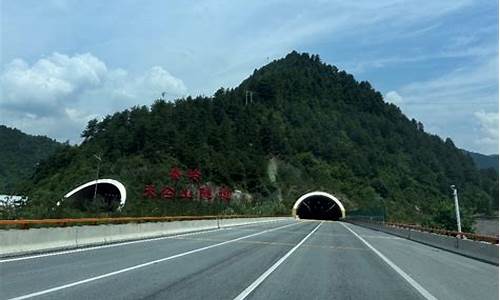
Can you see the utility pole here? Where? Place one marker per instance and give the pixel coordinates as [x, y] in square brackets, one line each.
[457, 208]
[97, 177]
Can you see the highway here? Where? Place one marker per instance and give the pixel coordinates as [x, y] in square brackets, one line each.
[289, 259]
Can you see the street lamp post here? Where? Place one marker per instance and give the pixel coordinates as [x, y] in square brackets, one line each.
[457, 208]
[97, 177]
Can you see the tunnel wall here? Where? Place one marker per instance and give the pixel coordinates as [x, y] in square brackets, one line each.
[316, 194]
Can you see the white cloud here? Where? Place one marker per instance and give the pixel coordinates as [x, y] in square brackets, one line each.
[58, 94]
[393, 97]
[159, 80]
[448, 105]
[488, 122]
[42, 88]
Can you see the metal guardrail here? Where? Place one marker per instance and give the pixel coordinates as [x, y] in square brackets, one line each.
[27, 223]
[467, 235]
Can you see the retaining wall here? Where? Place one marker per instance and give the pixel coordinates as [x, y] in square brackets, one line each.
[34, 240]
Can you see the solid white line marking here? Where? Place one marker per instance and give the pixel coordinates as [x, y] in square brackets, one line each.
[65, 286]
[264, 275]
[403, 274]
[117, 244]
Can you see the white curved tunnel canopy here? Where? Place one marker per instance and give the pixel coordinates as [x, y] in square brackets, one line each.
[110, 189]
[318, 205]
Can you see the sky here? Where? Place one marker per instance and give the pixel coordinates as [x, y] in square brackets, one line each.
[64, 62]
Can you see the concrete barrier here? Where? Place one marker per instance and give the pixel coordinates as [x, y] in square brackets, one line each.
[483, 251]
[439, 241]
[19, 242]
[401, 232]
[480, 250]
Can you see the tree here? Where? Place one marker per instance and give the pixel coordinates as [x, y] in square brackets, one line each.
[91, 130]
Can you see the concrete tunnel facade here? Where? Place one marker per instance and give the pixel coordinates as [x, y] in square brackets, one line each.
[319, 206]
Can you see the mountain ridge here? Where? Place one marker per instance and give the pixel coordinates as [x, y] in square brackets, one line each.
[484, 161]
[324, 129]
[19, 153]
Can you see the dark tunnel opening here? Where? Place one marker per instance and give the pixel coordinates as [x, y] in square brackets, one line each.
[107, 198]
[319, 208]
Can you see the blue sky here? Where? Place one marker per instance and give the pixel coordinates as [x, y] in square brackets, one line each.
[65, 62]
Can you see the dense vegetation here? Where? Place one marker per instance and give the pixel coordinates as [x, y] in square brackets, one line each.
[19, 154]
[307, 126]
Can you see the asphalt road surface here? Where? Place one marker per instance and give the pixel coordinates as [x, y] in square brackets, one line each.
[279, 260]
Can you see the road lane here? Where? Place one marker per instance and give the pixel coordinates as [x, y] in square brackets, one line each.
[263, 276]
[32, 275]
[419, 288]
[348, 270]
[445, 275]
[218, 273]
[332, 263]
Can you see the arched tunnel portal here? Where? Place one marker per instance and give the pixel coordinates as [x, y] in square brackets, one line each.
[318, 206]
[111, 191]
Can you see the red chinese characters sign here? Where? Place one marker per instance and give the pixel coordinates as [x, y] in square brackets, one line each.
[194, 175]
[168, 192]
[149, 191]
[175, 174]
[225, 194]
[186, 194]
[205, 192]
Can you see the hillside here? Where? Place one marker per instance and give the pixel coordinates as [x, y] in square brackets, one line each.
[484, 161]
[307, 126]
[19, 154]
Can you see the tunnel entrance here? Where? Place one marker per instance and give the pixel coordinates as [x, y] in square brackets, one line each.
[318, 206]
[110, 195]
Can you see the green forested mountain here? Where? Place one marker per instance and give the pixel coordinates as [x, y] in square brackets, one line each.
[307, 126]
[484, 161]
[19, 154]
